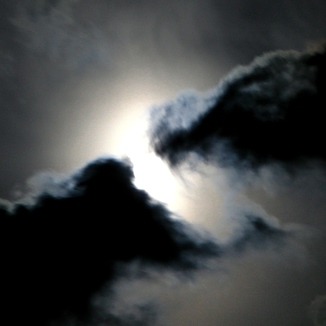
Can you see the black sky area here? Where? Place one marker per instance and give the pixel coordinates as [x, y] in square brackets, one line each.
[233, 92]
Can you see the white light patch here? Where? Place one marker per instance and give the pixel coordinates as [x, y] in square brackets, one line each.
[115, 123]
[151, 173]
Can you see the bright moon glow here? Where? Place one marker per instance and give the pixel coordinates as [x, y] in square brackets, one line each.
[121, 131]
[117, 125]
[128, 138]
[151, 173]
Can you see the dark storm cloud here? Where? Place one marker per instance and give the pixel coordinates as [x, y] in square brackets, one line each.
[268, 112]
[64, 242]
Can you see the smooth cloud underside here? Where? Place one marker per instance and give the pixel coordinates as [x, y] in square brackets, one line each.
[268, 112]
[62, 245]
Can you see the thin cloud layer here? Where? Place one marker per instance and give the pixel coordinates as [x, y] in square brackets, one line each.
[54, 31]
[268, 112]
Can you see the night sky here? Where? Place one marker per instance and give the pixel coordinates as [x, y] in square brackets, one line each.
[163, 162]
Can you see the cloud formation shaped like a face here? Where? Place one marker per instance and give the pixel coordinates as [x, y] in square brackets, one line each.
[268, 112]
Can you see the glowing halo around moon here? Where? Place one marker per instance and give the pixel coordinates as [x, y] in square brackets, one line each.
[116, 123]
[113, 121]
[121, 131]
[151, 173]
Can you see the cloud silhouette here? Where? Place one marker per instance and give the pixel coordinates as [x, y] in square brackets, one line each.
[261, 122]
[69, 239]
[270, 111]
[62, 245]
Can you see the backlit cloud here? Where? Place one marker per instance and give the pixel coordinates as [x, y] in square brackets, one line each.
[268, 112]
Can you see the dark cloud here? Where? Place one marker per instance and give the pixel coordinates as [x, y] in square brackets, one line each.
[72, 235]
[62, 246]
[318, 310]
[259, 233]
[268, 112]
[261, 122]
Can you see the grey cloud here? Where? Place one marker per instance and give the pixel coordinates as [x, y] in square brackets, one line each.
[318, 310]
[53, 30]
[262, 125]
[268, 286]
